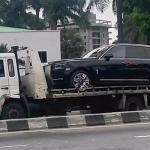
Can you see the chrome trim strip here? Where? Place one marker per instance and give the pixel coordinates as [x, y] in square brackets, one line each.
[124, 80]
[58, 79]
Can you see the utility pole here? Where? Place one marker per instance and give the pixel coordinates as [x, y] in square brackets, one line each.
[119, 5]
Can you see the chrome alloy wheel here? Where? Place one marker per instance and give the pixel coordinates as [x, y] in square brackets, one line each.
[81, 81]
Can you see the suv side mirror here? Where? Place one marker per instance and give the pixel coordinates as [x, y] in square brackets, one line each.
[108, 56]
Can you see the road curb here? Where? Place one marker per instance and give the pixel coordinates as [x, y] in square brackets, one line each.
[74, 121]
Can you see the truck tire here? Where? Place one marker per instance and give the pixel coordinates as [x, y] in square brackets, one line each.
[13, 111]
[133, 104]
[83, 84]
[49, 81]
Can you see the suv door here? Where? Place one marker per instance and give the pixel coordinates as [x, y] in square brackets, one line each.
[112, 70]
[136, 70]
[4, 87]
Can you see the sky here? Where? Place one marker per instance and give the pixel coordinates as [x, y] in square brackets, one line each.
[107, 15]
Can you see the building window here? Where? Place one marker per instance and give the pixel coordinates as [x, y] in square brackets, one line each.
[85, 43]
[11, 68]
[103, 35]
[96, 41]
[84, 37]
[96, 46]
[96, 28]
[43, 56]
[97, 35]
[84, 30]
[2, 73]
[77, 30]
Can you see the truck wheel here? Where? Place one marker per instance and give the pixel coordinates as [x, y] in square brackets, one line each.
[13, 111]
[80, 80]
[49, 81]
[133, 104]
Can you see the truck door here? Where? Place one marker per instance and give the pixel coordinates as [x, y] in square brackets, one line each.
[12, 76]
[4, 85]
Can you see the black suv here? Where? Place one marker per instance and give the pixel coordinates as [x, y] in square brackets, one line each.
[116, 64]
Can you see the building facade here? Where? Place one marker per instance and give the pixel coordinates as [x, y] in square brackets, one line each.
[96, 35]
[46, 43]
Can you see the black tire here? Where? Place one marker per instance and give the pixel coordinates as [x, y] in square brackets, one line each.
[50, 82]
[79, 72]
[13, 111]
[133, 104]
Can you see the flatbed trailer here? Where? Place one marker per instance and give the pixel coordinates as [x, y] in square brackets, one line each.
[98, 99]
[28, 95]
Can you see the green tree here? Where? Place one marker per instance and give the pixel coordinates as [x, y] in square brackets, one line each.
[139, 13]
[37, 5]
[62, 10]
[72, 45]
[32, 22]
[12, 13]
[3, 48]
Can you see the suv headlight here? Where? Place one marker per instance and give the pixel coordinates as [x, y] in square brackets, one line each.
[59, 66]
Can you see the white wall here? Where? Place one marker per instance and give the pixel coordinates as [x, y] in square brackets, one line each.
[37, 40]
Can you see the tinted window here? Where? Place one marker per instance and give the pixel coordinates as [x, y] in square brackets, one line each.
[135, 52]
[2, 73]
[11, 68]
[147, 51]
[117, 51]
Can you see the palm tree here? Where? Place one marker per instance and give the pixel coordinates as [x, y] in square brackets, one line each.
[131, 33]
[12, 12]
[117, 6]
[77, 10]
[72, 44]
[3, 48]
[37, 5]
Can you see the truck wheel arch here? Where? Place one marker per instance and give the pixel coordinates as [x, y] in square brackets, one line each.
[22, 101]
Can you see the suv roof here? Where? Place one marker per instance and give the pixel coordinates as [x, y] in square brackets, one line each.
[132, 44]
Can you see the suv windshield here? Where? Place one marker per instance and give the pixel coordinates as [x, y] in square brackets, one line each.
[96, 52]
[100, 52]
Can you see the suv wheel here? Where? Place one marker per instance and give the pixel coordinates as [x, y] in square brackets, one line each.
[80, 80]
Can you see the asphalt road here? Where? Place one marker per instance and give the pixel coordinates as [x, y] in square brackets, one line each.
[134, 137]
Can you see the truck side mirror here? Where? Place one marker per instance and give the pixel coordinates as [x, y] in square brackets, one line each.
[108, 56]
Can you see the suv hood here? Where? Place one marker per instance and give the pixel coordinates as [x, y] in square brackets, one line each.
[69, 60]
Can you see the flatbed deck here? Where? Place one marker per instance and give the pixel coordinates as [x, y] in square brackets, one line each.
[98, 91]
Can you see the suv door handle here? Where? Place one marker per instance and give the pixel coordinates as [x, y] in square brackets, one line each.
[4, 88]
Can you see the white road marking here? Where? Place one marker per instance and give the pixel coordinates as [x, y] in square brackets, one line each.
[143, 136]
[12, 146]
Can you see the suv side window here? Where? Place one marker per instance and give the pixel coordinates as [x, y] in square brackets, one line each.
[117, 51]
[2, 72]
[135, 52]
[147, 51]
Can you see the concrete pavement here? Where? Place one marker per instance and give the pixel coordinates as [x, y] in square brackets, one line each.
[123, 137]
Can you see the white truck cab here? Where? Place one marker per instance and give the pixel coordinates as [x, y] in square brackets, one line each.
[9, 83]
[14, 101]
